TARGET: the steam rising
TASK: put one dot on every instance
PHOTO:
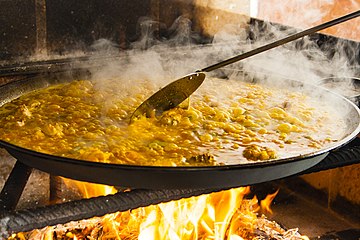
(164, 58)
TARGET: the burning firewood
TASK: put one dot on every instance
(222, 215)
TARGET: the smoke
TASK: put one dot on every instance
(162, 55)
(315, 57)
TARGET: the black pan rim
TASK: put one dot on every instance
(250, 165)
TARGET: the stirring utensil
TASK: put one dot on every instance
(179, 90)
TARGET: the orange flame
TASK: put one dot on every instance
(203, 217)
(89, 190)
(225, 215)
(265, 204)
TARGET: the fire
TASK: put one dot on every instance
(265, 204)
(225, 215)
(89, 190)
(203, 217)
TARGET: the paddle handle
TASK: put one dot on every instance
(282, 41)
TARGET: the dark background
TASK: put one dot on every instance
(70, 25)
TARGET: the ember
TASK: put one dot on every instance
(221, 215)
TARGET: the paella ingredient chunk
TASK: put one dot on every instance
(172, 117)
(95, 154)
(26, 111)
(39, 134)
(53, 129)
(206, 138)
(237, 112)
(287, 128)
(256, 152)
(202, 158)
(171, 147)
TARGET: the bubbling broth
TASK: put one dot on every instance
(225, 122)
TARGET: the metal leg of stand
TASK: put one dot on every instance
(55, 189)
(14, 186)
